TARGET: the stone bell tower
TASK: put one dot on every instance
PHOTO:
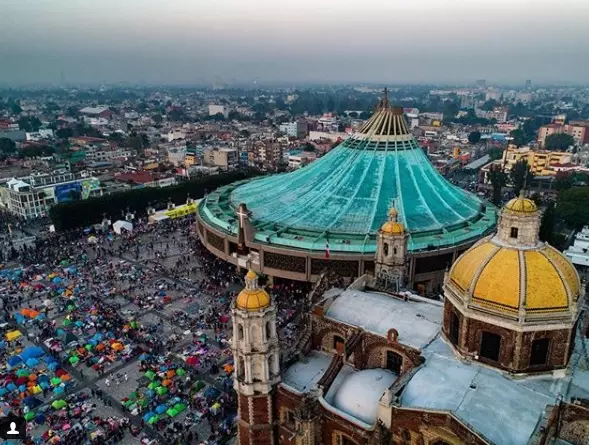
(257, 362)
(391, 253)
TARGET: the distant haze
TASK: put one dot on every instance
(195, 41)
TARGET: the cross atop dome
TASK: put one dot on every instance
(384, 103)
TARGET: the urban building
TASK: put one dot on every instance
(579, 130)
(297, 129)
(502, 360)
(578, 252)
(218, 109)
(31, 197)
(336, 205)
(225, 158)
(541, 162)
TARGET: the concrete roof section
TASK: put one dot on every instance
(303, 375)
(417, 322)
(504, 410)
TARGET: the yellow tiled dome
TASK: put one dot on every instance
(521, 205)
(504, 278)
(393, 228)
(252, 298)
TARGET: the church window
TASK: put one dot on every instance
(338, 344)
(514, 232)
(268, 330)
(385, 249)
(454, 327)
(240, 369)
(240, 331)
(288, 418)
(395, 250)
(394, 362)
(539, 352)
(490, 346)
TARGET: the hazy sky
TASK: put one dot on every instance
(391, 41)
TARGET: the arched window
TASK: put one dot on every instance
(268, 330)
(394, 362)
(240, 331)
(240, 369)
(454, 327)
(539, 352)
(338, 344)
(490, 346)
(395, 250)
(385, 249)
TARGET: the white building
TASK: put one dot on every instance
(578, 253)
(216, 109)
(43, 133)
(296, 129)
(175, 135)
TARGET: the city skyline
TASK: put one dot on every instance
(228, 41)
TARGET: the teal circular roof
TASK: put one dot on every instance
(343, 198)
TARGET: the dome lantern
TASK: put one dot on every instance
(252, 297)
(519, 222)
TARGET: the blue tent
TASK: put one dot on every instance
(56, 280)
(32, 402)
(161, 409)
(148, 416)
(32, 362)
(15, 360)
(31, 352)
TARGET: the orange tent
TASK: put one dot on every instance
(171, 373)
(99, 347)
(167, 382)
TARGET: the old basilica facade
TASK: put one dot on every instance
(501, 360)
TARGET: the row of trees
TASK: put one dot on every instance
(72, 215)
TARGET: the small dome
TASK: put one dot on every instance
(521, 205)
(252, 300)
(393, 228)
(359, 393)
(505, 279)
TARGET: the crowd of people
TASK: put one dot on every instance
(88, 290)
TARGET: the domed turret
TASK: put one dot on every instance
(253, 297)
(515, 290)
(392, 227)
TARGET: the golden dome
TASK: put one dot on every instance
(393, 228)
(252, 298)
(504, 278)
(521, 205)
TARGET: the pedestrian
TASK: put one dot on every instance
(107, 382)
(126, 377)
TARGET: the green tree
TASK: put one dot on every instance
(558, 141)
(157, 118)
(15, 108)
(497, 179)
(7, 146)
(489, 105)
(563, 182)
(29, 124)
(572, 206)
(548, 223)
(495, 153)
(64, 133)
(474, 137)
(519, 175)
(353, 115)
(519, 138)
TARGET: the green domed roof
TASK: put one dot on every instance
(344, 197)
